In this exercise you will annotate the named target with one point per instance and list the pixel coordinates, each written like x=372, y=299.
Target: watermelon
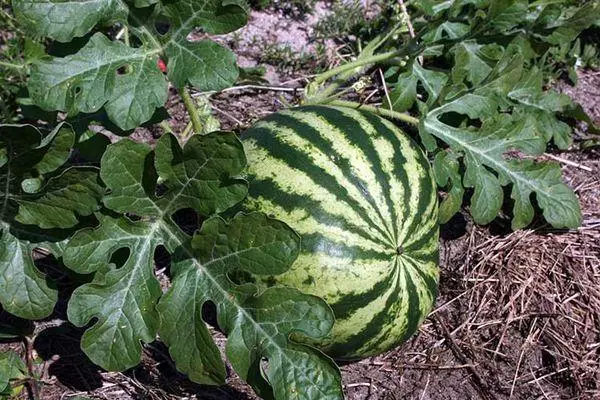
x=362, y=197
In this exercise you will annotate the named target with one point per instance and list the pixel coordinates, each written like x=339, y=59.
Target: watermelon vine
x=487, y=61
x=468, y=77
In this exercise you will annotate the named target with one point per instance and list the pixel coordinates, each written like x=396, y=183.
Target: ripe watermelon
x=360, y=193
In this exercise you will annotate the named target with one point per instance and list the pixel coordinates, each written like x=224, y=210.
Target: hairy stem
x=360, y=62
x=12, y=65
x=187, y=130
x=32, y=383
x=166, y=126
x=377, y=110
x=192, y=109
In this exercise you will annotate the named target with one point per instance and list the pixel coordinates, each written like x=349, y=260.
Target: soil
x=518, y=313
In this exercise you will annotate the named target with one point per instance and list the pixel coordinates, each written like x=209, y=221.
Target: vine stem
x=11, y=65
x=411, y=29
x=251, y=87
x=377, y=110
x=355, y=64
x=32, y=383
x=192, y=109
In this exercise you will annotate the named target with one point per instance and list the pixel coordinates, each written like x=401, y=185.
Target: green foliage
x=487, y=149
x=12, y=76
x=108, y=223
x=345, y=18
x=285, y=58
x=125, y=299
x=11, y=368
x=42, y=202
x=351, y=23
x=477, y=71
x=16, y=52
x=502, y=85
x=124, y=77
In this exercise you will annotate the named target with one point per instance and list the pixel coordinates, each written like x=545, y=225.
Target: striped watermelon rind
x=361, y=194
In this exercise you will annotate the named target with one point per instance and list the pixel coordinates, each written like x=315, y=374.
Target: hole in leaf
x=162, y=260
x=120, y=257
x=58, y=277
x=423, y=95
x=133, y=217
x=77, y=90
x=209, y=314
x=458, y=120
x=124, y=70
x=188, y=220
x=162, y=27
x=160, y=190
x=264, y=367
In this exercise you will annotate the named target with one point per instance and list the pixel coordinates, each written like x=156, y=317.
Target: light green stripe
x=328, y=162
x=296, y=182
x=305, y=224
x=331, y=278
x=361, y=164
x=362, y=140
x=426, y=225
x=411, y=168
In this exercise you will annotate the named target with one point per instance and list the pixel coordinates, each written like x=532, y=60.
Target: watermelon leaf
x=505, y=146
x=11, y=367
x=492, y=64
x=405, y=93
x=258, y=325
x=446, y=169
x=42, y=203
x=123, y=78
x=126, y=81
x=65, y=20
x=153, y=185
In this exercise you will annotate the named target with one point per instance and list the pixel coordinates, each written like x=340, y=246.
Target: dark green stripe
x=426, y=192
x=319, y=243
x=353, y=344
x=431, y=256
x=430, y=282
x=298, y=160
x=267, y=189
x=417, y=245
x=317, y=138
x=398, y=162
x=413, y=314
x=357, y=136
x=351, y=302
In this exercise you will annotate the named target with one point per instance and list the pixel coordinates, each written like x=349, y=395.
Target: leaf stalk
x=12, y=65
x=377, y=110
x=192, y=110
x=360, y=62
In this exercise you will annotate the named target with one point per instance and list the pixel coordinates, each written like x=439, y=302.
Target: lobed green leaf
x=123, y=79
x=258, y=325
x=125, y=295
x=41, y=202
x=11, y=367
x=490, y=149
